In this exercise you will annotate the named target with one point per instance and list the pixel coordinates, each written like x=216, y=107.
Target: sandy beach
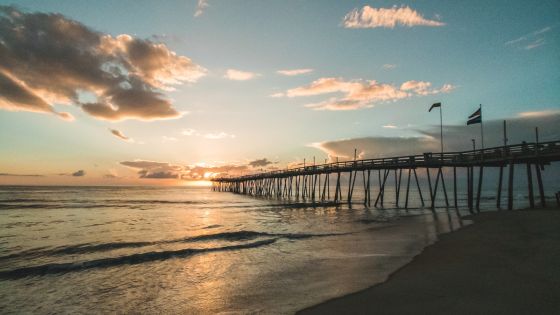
x=507, y=262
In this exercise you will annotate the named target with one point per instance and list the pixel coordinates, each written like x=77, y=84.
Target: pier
x=315, y=183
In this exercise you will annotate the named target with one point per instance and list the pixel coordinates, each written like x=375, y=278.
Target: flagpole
x=481, y=129
x=441, y=128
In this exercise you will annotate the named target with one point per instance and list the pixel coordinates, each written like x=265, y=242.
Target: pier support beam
x=455, y=187
x=397, y=186
x=407, y=189
x=510, y=186
x=419, y=190
x=382, y=188
x=540, y=184
x=499, y=196
x=479, y=188
x=430, y=187
x=530, y=186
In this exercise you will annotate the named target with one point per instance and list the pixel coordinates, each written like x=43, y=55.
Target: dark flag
x=434, y=105
x=475, y=118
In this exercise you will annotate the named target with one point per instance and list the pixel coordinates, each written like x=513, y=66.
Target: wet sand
x=507, y=262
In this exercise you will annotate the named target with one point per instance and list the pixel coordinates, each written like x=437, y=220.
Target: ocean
x=194, y=251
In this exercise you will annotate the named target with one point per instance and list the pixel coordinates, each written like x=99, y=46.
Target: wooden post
x=455, y=187
x=368, y=188
x=328, y=186
x=365, y=187
x=435, y=189
x=398, y=186
x=471, y=189
x=418, y=185
x=540, y=184
x=353, y=184
x=510, y=186
x=480, y=174
x=337, y=189
x=350, y=187
x=530, y=184
x=381, y=189
x=314, y=187
x=499, y=197
x=325, y=187
x=444, y=189
x=430, y=185
x=407, y=189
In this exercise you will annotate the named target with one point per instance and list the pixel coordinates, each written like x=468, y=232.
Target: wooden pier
x=315, y=183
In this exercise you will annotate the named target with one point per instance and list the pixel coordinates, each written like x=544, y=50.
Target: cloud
x=79, y=173
x=531, y=40
x=276, y=95
x=238, y=75
x=535, y=44
x=21, y=175
x=424, y=88
x=169, y=139
x=260, y=163
x=520, y=128
x=151, y=169
x=48, y=59
x=294, y=72
x=163, y=170
x=16, y=95
x=360, y=94
x=200, y=7
x=390, y=126
x=218, y=135
x=389, y=66
x=368, y=17
x=188, y=132
x=456, y=137
x=111, y=173
x=209, y=135
x=120, y=135
x=542, y=113
x=374, y=147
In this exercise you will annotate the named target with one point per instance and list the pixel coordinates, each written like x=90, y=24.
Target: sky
x=170, y=92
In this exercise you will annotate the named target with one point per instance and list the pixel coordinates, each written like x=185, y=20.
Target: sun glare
x=199, y=183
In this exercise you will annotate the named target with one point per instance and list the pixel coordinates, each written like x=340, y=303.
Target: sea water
x=192, y=250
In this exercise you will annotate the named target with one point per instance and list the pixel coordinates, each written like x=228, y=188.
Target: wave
x=121, y=260
x=223, y=236
x=213, y=226
x=10, y=204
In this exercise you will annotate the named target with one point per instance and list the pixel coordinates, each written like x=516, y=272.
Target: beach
x=507, y=262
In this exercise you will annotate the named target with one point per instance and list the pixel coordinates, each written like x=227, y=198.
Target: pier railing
x=495, y=156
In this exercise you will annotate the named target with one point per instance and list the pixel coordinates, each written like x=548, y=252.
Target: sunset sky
x=163, y=92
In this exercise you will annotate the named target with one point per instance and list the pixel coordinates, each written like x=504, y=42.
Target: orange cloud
x=360, y=93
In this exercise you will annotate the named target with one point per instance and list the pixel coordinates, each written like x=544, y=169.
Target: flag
x=475, y=118
x=434, y=105
x=477, y=113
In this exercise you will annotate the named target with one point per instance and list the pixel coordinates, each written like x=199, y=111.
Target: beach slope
x=507, y=262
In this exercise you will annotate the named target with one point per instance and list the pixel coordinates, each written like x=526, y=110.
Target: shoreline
x=507, y=262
